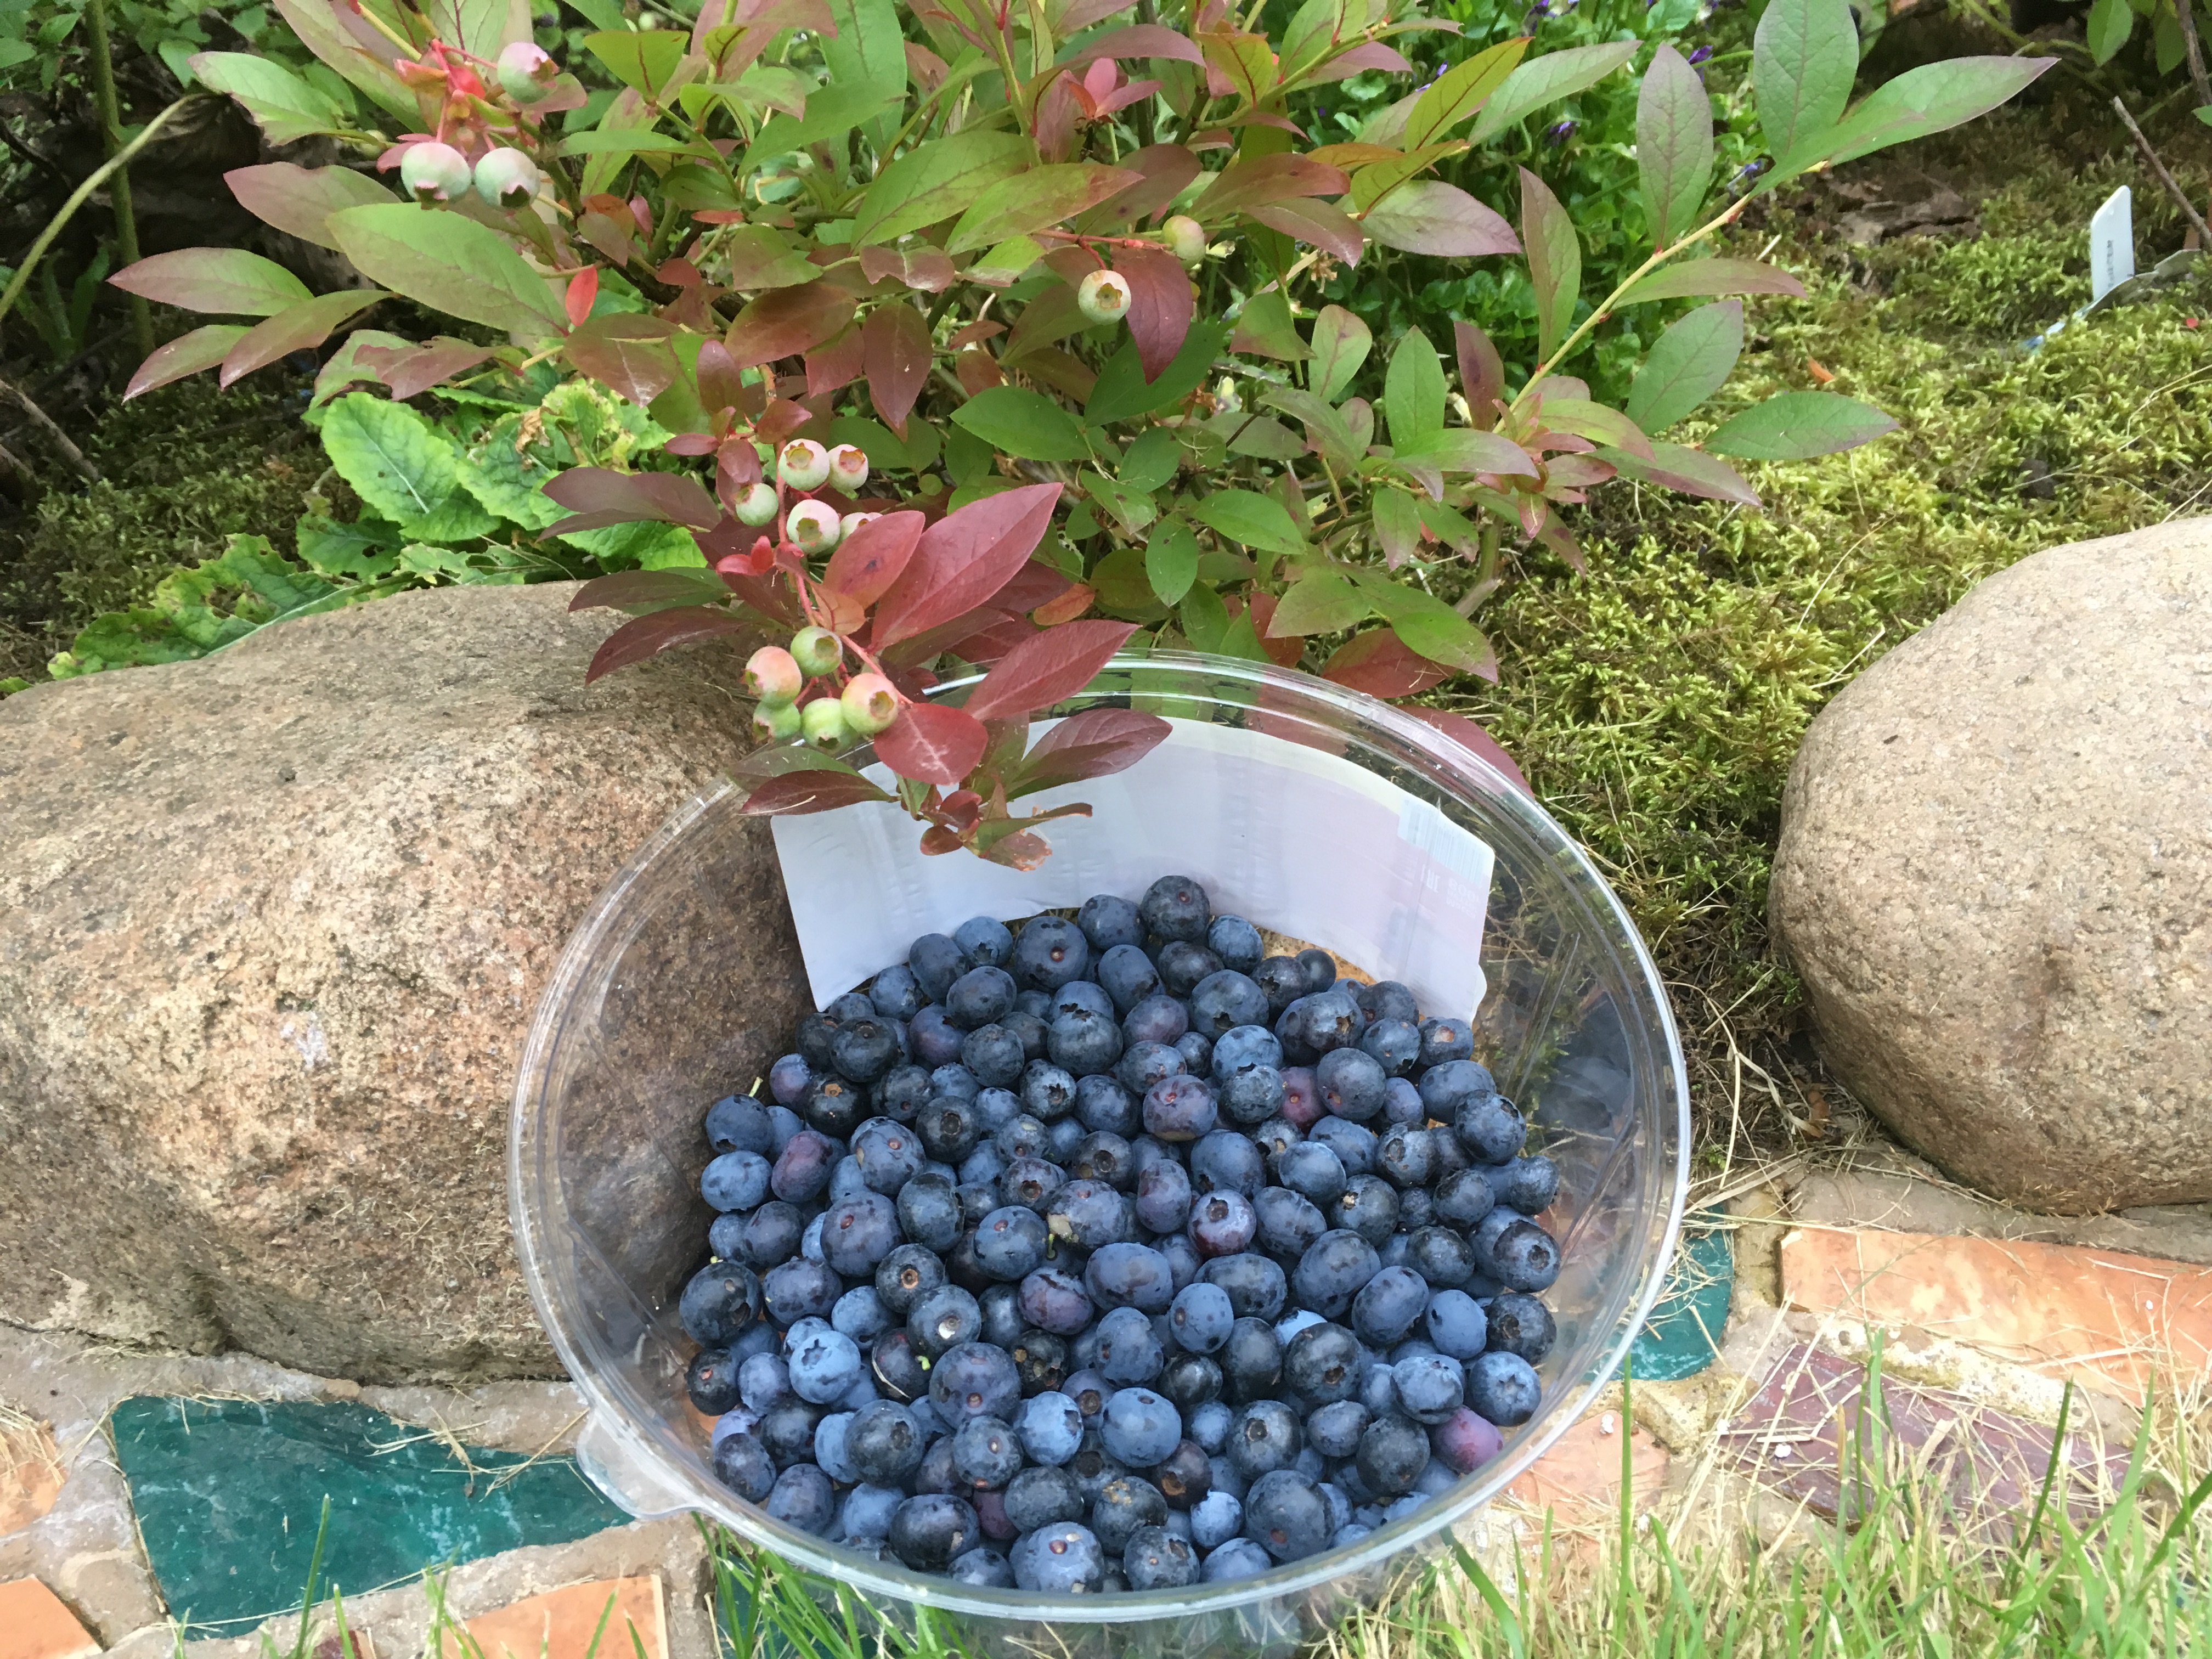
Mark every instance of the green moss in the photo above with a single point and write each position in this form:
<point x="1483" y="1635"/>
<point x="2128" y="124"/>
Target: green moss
<point x="1657" y="704"/>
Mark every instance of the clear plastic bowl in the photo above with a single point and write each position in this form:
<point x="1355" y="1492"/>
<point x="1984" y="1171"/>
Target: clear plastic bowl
<point x="604" y="1151"/>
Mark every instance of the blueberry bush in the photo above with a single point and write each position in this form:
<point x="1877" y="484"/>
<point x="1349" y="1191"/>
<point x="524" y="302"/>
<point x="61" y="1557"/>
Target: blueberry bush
<point x="966" y="323"/>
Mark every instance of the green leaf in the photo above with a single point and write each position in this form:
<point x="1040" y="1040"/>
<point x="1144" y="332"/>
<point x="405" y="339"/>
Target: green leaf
<point x="935" y="181"/>
<point x="643" y="58"/>
<point x="1027" y="424"/>
<point x="1246" y="516"/>
<point x="1428" y="626"/>
<point x="185" y="617"/>
<point x="1122" y="394"/>
<point x="227" y="281"/>
<point x="1031" y="201"/>
<point x="1324" y="424"/>
<point x="1264" y="329"/>
<point x="1340" y="344"/>
<point x="1804" y="56"/>
<point x="353" y="552"/>
<point x="2110" y="22"/>
<point x="1132" y="509"/>
<point x="482" y="27"/>
<point x="1555" y="260"/>
<point x="286" y="107"/>
<point x="1673" y="145"/>
<point x="1459" y="92"/>
<point x="1547" y="80"/>
<point x="320" y="31"/>
<point x="1934" y="98"/>
<point x="507" y="482"/>
<point x="401" y="465"/>
<point x="1793" y="426"/>
<point x="1170" y="560"/>
<point x="631" y="141"/>
<point x="642" y="544"/>
<point x="1322" y="601"/>
<point x="1205" y="619"/>
<point x="1241" y="639"/>
<point x="1413" y="391"/>
<point x="1689" y="363"/>
<point x="1151" y="461"/>
<point x="1694" y="279"/>
<point x="1397" y="524"/>
<point x="867" y="55"/>
<point x="449" y="264"/>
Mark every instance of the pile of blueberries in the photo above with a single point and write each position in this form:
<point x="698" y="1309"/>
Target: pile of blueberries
<point x="1113" y="1255"/>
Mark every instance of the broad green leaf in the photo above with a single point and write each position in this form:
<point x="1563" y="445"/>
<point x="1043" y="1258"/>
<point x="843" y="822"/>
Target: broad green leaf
<point x="867" y="54"/>
<point x="2110" y="22"/>
<point x="1460" y="91"/>
<point x="642" y="58"/>
<point x="641" y="544"/>
<point x="1170" y="560"/>
<point x="1150" y="463"/>
<point x="1462" y="449"/>
<point x="1320" y="601"/>
<point x="1428" y="626"/>
<point x="449" y="264"/>
<point x="228" y="281"/>
<point x="1673" y="145"/>
<point x="1028" y="424"/>
<point x="1340" y="344"/>
<point x="1122" y="392"/>
<point x="397" y="462"/>
<point x="1376" y="179"/>
<point x="1547" y="80"/>
<point x="1132" y="509"/>
<point x="508" y="482"/>
<point x="482" y="27"/>
<point x="1328" y="428"/>
<point x="630" y="112"/>
<point x="1689" y="363"/>
<point x="1794" y="426"/>
<point x="1934" y="98"/>
<point x="1313" y="28"/>
<point x="935" y="181"/>
<point x="631" y="141"/>
<point x="1696" y="279"/>
<point x="1247" y="516"/>
<point x="1264" y="329"/>
<point x="1413" y="391"/>
<point x="1397" y="525"/>
<point x="1804" y="56"/>
<point x="1205" y="619"/>
<point x="1031" y="201"/>
<point x="285" y="108"/>
<point x="1555" y="260"/>
<point x="319" y="30"/>
<point x="352" y="552"/>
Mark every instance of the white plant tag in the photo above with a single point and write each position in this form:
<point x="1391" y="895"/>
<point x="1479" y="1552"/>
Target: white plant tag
<point x="2111" y="244"/>
<point x="1307" y="844"/>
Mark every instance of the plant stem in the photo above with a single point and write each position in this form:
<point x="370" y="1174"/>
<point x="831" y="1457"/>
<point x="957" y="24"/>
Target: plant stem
<point x="78" y="197"/>
<point x="2158" y="168"/>
<point x="2186" y="16"/>
<point x="45" y="423"/>
<point x="118" y="193"/>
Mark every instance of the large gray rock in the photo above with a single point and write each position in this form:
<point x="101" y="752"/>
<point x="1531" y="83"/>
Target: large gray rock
<point x="1995" y="879"/>
<point x="272" y="927"/>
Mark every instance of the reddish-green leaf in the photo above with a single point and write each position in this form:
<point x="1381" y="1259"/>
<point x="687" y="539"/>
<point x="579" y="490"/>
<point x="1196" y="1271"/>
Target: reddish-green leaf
<point x="645" y="636"/>
<point x="933" y="743"/>
<point x="1694" y="279"/>
<point x="1462" y="449"/>
<point x="225" y="280"/>
<point x="788" y="321"/>
<point x="1340" y="344"/>
<point x="1320" y="224"/>
<point x="1690" y="470"/>
<point x="868" y="562"/>
<point x="1796" y="426"/>
<point x="1546" y="80"/>
<point x="1166" y="168"/>
<point x="188" y="353"/>
<point x="761" y="258"/>
<point x="894" y="356"/>
<point x="1256" y="180"/>
<point x="793" y="794"/>
<point x="607" y="497"/>
<point x="410" y="370"/>
<point x="936" y="180"/>
<point x="1427" y="216"/>
<point x="295" y="328"/>
<point x="1933" y="98"/>
<point x="1244" y="63"/>
<point x="1472" y="737"/>
<point x="1555" y="260"/>
<point x="628" y="352"/>
<point x="1092" y="744"/>
<point x="1481" y="374"/>
<point x="1378" y="663"/>
<point x="1804" y="56"/>
<point x="1689" y="363"/>
<point x="1597" y="422"/>
<point x="641" y="591"/>
<point x="1138" y="40"/>
<point x="1673" y="145"/>
<point x="1046" y="668"/>
<point x="297" y="200"/>
<point x="1459" y="92"/>
<point x="450" y="263"/>
<point x="1161" y="305"/>
<point x="1030" y="201"/>
<point x="964" y="560"/>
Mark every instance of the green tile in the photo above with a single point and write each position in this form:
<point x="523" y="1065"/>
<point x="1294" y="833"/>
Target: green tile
<point x="1683" y="1332"/>
<point x="229" y="1494"/>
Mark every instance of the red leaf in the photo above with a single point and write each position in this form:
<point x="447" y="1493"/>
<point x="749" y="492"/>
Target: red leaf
<point x="895" y="353"/>
<point x="1067" y="608"/>
<point x="1047" y="667"/>
<point x="795" y="792"/>
<point x="1161" y="305"/>
<point x="628" y="352"/>
<point x="1285" y="650"/>
<point x="868" y="562"/>
<point x="596" y="492"/>
<point x="1166" y="169"/>
<point x="583" y="289"/>
<point x="188" y="353"/>
<point x="835" y="365"/>
<point x="1426" y="216"/>
<point x="1320" y="224"/>
<point x="1469" y="735"/>
<point x="923" y="267"/>
<point x="628" y="590"/>
<point x="1035" y="584"/>
<point x="410" y="371"/>
<point x="643" y="636"/>
<point x="1378" y="663"/>
<point x="787" y="321"/>
<point x="717" y="375"/>
<point x="1091" y="744"/>
<point x="1248" y="184"/>
<point x="964" y="559"/>
<point x="1370" y="55"/>
<point x="297" y="328"/>
<point x="1138" y="40"/>
<point x="932" y="743"/>
<point x="1481" y="374"/>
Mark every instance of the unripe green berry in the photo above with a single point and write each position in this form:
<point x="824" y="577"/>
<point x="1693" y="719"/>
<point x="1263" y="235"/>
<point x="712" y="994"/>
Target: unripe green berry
<point x="507" y="178"/>
<point x="431" y="172"/>
<point x="757" y="505"/>
<point x="817" y="651"/>
<point x="526" y="73"/>
<point x="849" y="467"/>
<point x="803" y="465"/>
<point x="812" y="526"/>
<point x="823" y="722"/>
<point x="870" y="703"/>
<point x="776" y="722"/>
<point x="1103" y="296"/>
<point x="1187" y="237"/>
<point x="772" y="675"/>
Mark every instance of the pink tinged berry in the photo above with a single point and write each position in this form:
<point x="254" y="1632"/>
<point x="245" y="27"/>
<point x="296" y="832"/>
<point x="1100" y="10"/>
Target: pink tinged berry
<point x="802" y="464"/>
<point x="431" y="172"/>
<point x="507" y="178"/>
<point x="849" y="467"/>
<point x="772" y="675"/>
<point x="526" y="73"/>
<point x="1187" y="237"/>
<point x="823" y="722"/>
<point x="1464" y="1442"/>
<point x="852" y="521"/>
<point x="776" y="722"/>
<point x="1103" y="296"/>
<point x="812" y="526"/>
<point x="757" y="505"/>
<point x="871" y="704"/>
<point x="816" y="650"/>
